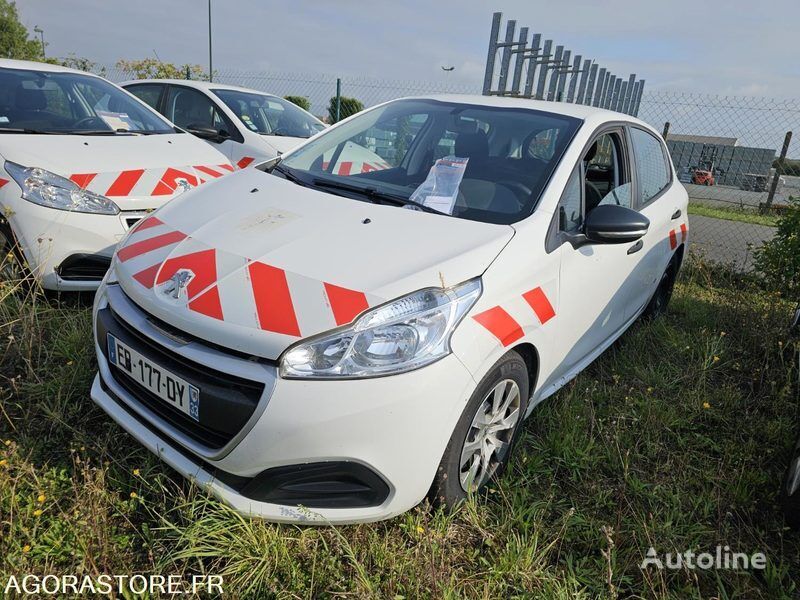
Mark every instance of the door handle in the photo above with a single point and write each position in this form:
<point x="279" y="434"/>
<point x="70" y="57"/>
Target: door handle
<point x="636" y="247"/>
<point x="676" y="214"/>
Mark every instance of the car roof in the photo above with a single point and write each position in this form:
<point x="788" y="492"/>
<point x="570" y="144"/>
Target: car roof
<point x="199" y="85"/>
<point x="30" y="65"/>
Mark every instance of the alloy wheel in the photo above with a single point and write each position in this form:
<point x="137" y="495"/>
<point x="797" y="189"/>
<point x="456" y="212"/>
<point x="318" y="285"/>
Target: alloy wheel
<point x="490" y="435"/>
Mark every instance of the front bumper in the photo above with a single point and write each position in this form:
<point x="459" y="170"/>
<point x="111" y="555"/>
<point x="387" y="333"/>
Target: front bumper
<point x="52" y="240"/>
<point x="395" y="427"/>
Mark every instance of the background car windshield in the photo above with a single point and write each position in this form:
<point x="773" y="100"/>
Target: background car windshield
<point x="71" y="103"/>
<point x="512" y="152"/>
<point x="270" y="115"/>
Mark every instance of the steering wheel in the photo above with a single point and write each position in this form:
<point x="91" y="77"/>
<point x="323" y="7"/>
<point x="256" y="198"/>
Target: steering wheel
<point x="520" y="190"/>
<point x="84" y="120"/>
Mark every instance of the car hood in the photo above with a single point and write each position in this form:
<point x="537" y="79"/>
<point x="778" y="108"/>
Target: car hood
<point x="135" y="171"/>
<point x="253" y="262"/>
<point x="283" y="143"/>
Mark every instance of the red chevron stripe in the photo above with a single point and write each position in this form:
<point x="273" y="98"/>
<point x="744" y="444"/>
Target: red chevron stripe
<point x="150" y="244"/>
<point x="244" y="161"/>
<point x="345" y="304"/>
<point x="3" y="182"/>
<point x="203" y="264"/>
<point x="540" y="304"/>
<point x="208" y="303"/>
<point x="82" y="179"/>
<point x="274" y="305"/>
<point x="673" y="239"/>
<point x="169" y="181"/>
<point x="684" y="231"/>
<point x="227" y="167"/>
<point x="124" y="183"/>
<point x="500" y="324"/>
<point x="208" y="171"/>
<point x="147" y="277"/>
<point x="147" y="223"/>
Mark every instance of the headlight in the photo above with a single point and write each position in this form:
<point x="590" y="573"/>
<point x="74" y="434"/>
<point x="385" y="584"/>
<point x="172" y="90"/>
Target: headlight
<point x="51" y="190"/>
<point x="406" y="334"/>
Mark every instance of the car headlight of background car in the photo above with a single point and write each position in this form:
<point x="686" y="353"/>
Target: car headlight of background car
<point x="51" y="190"/>
<point x="402" y="335"/>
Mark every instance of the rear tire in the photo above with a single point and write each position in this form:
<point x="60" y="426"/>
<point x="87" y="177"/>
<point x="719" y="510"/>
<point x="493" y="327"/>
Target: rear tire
<point x="479" y="449"/>
<point x="663" y="294"/>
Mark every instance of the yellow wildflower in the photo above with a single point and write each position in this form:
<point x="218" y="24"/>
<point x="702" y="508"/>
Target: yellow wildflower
<point x="26" y="548"/>
<point x="420" y="529"/>
<point x="41" y="498"/>
<point x="706" y="405"/>
<point x="136" y="472"/>
<point x="37" y="512"/>
<point x="134" y="495"/>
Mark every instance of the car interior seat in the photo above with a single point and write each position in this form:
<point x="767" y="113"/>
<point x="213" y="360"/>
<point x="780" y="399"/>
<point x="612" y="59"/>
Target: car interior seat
<point x="593" y="195"/>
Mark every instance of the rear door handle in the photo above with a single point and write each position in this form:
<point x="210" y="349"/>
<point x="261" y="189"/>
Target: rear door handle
<point x="676" y="214"/>
<point x="636" y="247"/>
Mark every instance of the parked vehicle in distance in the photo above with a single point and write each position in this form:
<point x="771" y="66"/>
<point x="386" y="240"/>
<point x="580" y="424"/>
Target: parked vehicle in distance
<point x="336" y="347"/>
<point x="246" y="125"/>
<point x="81" y="162"/>
<point x="790" y="488"/>
<point x="703" y="177"/>
<point x="754" y="182"/>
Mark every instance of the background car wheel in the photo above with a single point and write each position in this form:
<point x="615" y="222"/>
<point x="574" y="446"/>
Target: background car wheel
<point x="658" y="303"/>
<point x="485" y="434"/>
<point x="790" y="490"/>
<point x="12" y="264"/>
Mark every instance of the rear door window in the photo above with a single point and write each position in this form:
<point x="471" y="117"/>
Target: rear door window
<point x="652" y="170"/>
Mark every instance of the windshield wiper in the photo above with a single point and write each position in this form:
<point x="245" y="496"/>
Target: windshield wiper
<point x="287" y="173"/>
<point x="25" y="130"/>
<point x="375" y="195"/>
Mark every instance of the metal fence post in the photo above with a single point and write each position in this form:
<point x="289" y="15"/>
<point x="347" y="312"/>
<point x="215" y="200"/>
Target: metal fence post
<point x="665" y="132"/>
<point x="188" y="72"/>
<point x="778" y="171"/>
<point x="338" y="99"/>
<point x="492" y="53"/>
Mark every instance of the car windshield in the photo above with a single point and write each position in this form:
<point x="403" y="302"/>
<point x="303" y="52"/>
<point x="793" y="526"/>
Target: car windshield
<point x="476" y="162"/>
<point x="71" y="103"/>
<point x="270" y="115"/>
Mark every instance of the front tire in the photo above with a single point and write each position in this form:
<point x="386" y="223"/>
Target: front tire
<point x="479" y="449"/>
<point x="12" y="263"/>
<point x="790" y="491"/>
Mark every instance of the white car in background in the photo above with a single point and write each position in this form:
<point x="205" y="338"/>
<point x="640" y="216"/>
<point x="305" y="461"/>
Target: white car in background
<point x="246" y="125"/>
<point x="81" y="161"/>
<point x="334" y="348"/>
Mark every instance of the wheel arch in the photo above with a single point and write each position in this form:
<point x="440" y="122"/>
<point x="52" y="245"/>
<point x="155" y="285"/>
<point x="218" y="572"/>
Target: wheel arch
<point x="530" y="355"/>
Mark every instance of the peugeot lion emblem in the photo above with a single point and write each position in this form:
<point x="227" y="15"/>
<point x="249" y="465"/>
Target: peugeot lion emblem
<point x="176" y="285"/>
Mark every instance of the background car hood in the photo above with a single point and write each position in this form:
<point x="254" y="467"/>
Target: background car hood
<point x="136" y="171"/>
<point x="253" y="262"/>
<point x="283" y="143"/>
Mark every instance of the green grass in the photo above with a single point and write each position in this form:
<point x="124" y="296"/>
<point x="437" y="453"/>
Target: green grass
<point x="742" y="215"/>
<point x="627" y="456"/>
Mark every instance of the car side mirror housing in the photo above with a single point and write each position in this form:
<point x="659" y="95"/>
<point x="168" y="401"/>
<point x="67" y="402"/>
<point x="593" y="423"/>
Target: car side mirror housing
<point x="208" y="133"/>
<point x="614" y="224"/>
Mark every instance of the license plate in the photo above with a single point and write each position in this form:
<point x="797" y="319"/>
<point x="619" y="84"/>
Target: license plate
<point x="167" y="386"/>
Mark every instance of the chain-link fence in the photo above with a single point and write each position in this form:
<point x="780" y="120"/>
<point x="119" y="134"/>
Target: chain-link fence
<point x="724" y="148"/>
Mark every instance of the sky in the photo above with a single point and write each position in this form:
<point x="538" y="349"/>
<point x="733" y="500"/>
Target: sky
<point x="727" y="47"/>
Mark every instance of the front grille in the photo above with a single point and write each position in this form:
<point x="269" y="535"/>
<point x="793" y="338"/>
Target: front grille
<point x="226" y="402"/>
<point x="88" y="267"/>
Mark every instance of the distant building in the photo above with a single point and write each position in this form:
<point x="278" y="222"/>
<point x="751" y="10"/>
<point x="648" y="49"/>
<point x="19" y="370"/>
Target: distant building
<point x="723" y="156"/>
<point x="703" y="139"/>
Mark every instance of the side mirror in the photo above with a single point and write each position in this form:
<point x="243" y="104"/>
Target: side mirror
<point x="208" y="133"/>
<point x="614" y="224"/>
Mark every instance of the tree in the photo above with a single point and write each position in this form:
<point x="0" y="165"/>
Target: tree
<point x="14" y="42"/>
<point x="300" y="101"/>
<point x="151" y="68"/>
<point x="349" y="106"/>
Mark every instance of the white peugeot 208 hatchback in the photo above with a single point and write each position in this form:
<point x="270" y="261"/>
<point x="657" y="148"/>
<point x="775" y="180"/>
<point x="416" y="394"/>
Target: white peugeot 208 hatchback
<point x="309" y="345"/>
